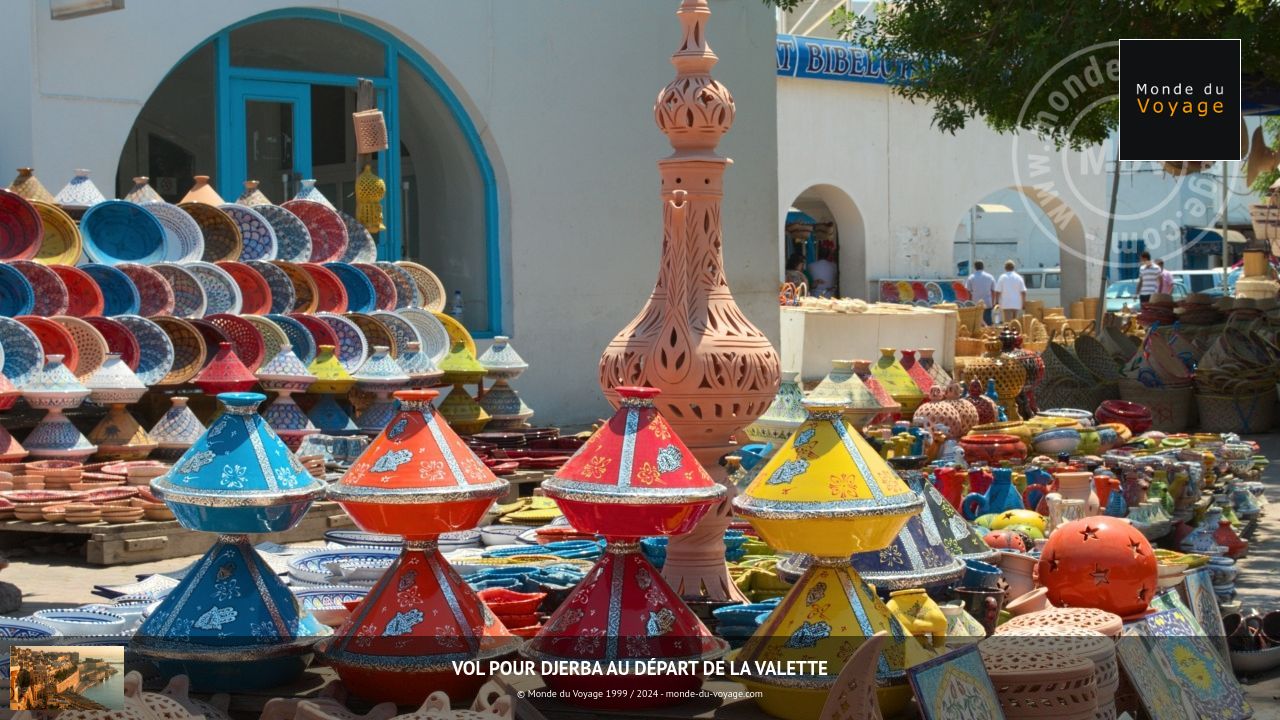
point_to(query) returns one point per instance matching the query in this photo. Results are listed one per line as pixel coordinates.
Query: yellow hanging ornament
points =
(369, 191)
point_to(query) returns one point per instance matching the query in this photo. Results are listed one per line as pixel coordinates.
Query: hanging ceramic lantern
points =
(370, 131)
(634, 478)
(828, 494)
(370, 190)
(418, 480)
(231, 624)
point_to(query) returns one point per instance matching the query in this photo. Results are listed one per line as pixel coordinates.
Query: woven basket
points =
(970, 316)
(1172, 409)
(1250, 413)
(1077, 394)
(966, 344)
(370, 131)
(1094, 356)
(1060, 364)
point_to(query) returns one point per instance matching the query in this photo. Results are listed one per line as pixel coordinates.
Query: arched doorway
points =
(270, 98)
(824, 224)
(1040, 233)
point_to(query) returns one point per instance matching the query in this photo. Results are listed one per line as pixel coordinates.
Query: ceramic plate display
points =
(245, 339)
(221, 293)
(431, 332)
(21, 228)
(255, 293)
(119, 231)
(119, 340)
(457, 332)
(293, 240)
(407, 292)
(188, 293)
(81, 622)
(384, 288)
(221, 234)
(326, 602)
(273, 338)
(955, 685)
(429, 286)
(305, 292)
(354, 566)
(54, 339)
(84, 297)
(155, 294)
(375, 332)
(213, 337)
(257, 237)
(61, 244)
(50, 292)
(155, 349)
(23, 354)
(328, 232)
(352, 347)
(361, 297)
(331, 294)
(300, 338)
(188, 350)
(361, 247)
(184, 242)
(119, 296)
(16, 295)
(402, 331)
(319, 329)
(92, 346)
(283, 297)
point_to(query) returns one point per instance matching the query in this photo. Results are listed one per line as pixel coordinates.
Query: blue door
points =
(271, 135)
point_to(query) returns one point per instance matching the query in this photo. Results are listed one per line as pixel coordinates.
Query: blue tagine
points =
(231, 624)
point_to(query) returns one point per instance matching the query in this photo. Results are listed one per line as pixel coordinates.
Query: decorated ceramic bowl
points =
(1053, 442)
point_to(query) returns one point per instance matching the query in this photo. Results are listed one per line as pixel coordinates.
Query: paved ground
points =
(50, 576)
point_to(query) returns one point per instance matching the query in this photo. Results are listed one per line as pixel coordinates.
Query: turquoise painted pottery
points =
(1058, 440)
(1001, 496)
(231, 624)
(238, 477)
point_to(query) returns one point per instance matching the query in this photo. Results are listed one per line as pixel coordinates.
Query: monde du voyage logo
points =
(1180, 99)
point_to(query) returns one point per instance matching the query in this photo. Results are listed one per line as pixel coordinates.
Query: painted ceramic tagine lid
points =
(114, 382)
(285, 369)
(229, 607)
(381, 370)
(239, 462)
(226, 373)
(461, 366)
(635, 458)
(501, 360)
(826, 491)
(418, 459)
(331, 376)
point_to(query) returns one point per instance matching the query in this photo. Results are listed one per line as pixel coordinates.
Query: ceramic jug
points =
(962, 628)
(1019, 572)
(919, 614)
(999, 497)
(1116, 506)
(983, 605)
(950, 483)
(1053, 508)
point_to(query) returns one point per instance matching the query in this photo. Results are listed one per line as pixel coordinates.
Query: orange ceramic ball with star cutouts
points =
(1099, 562)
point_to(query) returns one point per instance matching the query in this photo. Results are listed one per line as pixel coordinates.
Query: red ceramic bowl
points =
(993, 449)
(213, 337)
(417, 521)
(119, 339)
(51, 292)
(54, 339)
(319, 329)
(1135, 416)
(84, 297)
(155, 294)
(21, 228)
(615, 520)
(331, 294)
(255, 293)
(384, 288)
(328, 231)
(245, 338)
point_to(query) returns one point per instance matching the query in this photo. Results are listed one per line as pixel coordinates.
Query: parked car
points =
(1043, 284)
(1124, 293)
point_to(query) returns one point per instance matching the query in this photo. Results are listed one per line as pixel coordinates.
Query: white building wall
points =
(562, 92)
(911, 184)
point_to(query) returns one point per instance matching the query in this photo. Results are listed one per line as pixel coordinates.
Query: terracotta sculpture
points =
(853, 697)
(716, 370)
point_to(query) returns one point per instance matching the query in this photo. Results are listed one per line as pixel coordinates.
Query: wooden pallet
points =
(148, 540)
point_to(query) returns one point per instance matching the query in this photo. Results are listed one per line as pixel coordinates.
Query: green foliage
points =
(1271, 130)
(994, 59)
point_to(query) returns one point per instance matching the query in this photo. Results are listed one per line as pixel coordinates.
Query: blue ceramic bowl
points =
(119, 294)
(1058, 440)
(16, 294)
(300, 339)
(274, 518)
(120, 231)
(361, 297)
(980, 575)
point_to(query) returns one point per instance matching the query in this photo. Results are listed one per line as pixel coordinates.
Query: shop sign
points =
(806, 57)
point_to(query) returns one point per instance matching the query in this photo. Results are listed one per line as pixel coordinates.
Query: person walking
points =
(823, 273)
(1011, 290)
(1148, 278)
(980, 285)
(1166, 279)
